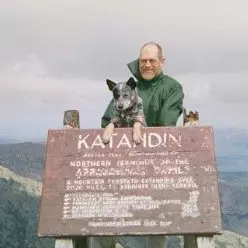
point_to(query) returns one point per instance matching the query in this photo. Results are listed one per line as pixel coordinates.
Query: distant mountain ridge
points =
(25, 159)
(30, 186)
(231, 149)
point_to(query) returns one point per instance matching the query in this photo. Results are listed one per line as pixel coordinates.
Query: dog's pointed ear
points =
(131, 82)
(110, 84)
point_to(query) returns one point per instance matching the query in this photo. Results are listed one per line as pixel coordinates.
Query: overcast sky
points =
(56, 55)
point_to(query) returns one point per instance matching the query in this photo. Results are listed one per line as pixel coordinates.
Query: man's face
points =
(150, 65)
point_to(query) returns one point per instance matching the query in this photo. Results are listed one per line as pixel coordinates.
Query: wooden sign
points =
(166, 185)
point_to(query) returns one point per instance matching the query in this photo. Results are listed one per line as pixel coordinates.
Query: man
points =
(163, 104)
(162, 95)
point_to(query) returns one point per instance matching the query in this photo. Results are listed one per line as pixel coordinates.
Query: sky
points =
(56, 55)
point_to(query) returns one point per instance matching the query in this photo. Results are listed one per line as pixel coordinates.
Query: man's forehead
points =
(149, 51)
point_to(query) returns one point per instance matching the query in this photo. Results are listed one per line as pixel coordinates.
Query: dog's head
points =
(125, 94)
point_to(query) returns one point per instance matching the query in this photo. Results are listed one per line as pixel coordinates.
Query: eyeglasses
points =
(151, 61)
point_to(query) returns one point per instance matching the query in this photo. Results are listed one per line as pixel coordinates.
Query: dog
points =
(190, 119)
(128, 111)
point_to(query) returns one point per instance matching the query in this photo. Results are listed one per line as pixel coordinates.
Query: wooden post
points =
(190, 241)
(189, 120)
(205, 242)
(64, 243)
(71, 120)
(195, 241)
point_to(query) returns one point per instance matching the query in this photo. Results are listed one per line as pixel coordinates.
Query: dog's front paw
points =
(106, 138)
(108, 131)
(137, 137)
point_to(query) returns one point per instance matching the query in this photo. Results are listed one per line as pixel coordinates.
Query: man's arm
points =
(172, 107)
(108, 114)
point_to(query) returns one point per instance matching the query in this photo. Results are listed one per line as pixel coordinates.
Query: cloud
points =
(33, 101)
(32, 98)
(230, 87)
(96, 39)
(220, 98)
(56, 55)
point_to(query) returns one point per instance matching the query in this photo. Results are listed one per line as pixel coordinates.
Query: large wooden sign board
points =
(166, 185)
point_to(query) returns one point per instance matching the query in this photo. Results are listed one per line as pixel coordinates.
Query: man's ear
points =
(162, 61)
(131, 82)
(110, 84)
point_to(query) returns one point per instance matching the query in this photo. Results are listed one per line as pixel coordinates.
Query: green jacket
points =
(162, 99)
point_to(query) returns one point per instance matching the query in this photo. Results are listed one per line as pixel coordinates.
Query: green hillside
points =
(234, 201)
(19, 212)
(25, 159)
(231, 240)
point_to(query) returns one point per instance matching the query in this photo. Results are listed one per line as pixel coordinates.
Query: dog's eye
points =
(116, 94)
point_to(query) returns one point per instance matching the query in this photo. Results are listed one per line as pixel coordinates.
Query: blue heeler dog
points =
(128, 110)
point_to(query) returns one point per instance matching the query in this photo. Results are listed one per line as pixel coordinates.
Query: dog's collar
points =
(127, 111)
